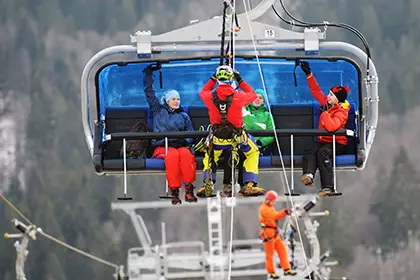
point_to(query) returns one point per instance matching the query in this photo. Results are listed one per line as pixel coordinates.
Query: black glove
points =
(288, 211)
(153, 67)
(259, 144)
(237, 76)
(304, 65)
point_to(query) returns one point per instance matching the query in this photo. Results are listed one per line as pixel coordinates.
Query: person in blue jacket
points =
(169, 116)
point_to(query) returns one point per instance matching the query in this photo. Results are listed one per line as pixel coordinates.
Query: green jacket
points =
(258, 119)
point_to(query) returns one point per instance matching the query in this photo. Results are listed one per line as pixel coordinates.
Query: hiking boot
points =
(273, 276)
(326, 191)
(175, 196)
(290, 272)
(251, 189)
(189, 193)
(227, 191)
(206, 190)
(307, 179)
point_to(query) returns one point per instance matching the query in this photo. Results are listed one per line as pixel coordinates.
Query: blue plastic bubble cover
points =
(122, 86)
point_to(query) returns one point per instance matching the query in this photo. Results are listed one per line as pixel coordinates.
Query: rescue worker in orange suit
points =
(334, 114)
(225, 106)
(168, 115)
(269, 233)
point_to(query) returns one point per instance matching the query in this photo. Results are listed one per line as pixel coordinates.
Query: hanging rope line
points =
(62, 243)
(222, 44)
(234, 146)
(10, 204)
(77, 250)
(284, 178)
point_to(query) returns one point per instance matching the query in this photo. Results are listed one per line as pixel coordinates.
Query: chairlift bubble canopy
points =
(113, 99)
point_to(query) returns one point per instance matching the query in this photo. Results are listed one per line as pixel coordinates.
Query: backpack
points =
(137, 148)
(224, 130)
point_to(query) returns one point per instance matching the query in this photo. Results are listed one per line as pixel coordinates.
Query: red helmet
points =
(271, 195)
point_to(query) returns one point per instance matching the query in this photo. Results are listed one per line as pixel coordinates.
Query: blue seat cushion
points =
(265, 162)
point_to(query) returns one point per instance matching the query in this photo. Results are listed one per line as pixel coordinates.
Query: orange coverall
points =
(271, 238)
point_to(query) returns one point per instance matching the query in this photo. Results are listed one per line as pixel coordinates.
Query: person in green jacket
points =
(256, 117)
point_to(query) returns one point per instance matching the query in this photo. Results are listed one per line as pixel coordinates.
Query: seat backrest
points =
(121, 120)
(199, 116)
(285, 116)
(292, 116)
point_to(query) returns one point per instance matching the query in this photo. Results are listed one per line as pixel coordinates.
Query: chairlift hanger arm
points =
(325, 24)
(209, 30)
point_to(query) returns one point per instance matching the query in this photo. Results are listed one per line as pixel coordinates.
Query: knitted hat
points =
(260, 91)
(340, 92)
(169, 95)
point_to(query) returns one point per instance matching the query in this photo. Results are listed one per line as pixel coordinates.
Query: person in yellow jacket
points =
(269, 233)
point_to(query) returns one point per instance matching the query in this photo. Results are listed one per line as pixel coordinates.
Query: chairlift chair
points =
(112, 95)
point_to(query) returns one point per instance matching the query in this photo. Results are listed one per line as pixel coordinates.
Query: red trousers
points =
(178, 162)
(275, 244)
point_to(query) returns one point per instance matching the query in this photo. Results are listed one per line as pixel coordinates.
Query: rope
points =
(77, 250)
(233, 197)
(233, 166)
(284, 179)
(39, 230)
(226, 5)
(15, 209)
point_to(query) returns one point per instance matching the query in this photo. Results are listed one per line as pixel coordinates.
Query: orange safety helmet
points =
(271, 195)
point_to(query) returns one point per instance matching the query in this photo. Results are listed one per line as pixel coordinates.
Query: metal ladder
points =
(216, 259)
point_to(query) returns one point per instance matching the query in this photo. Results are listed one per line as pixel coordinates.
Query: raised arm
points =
(248, 95)
(270, 214)
(316, 90)
(206, 92)
(149, 91)
(313, 84)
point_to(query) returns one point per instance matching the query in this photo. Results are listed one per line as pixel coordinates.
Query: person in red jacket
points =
(269, 233)
(225, 104)
(335, 110)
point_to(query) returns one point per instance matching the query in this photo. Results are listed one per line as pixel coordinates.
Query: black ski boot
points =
(326, 191)
(175, 196)
(189, 193)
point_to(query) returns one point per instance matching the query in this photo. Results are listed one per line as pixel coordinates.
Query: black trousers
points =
(227, 167)
(320, 156)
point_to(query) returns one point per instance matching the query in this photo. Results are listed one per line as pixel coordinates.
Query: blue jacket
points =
(164, 118)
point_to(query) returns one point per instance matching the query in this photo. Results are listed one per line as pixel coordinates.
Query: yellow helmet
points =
(224, 73)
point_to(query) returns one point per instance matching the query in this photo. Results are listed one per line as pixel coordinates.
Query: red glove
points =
(288, 211)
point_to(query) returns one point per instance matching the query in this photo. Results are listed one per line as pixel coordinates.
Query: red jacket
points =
(333, 119)
(239, 100)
